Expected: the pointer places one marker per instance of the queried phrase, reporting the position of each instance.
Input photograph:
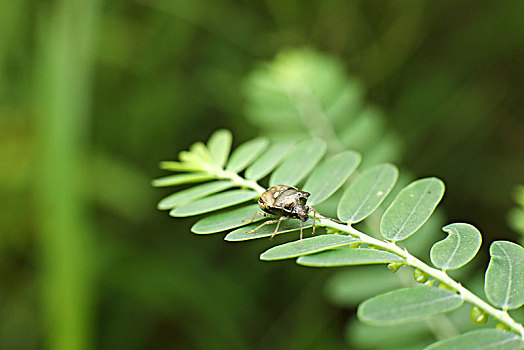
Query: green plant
(343, 245)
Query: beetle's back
(280, 200)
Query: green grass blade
(299, 163)
(269, 160)
(267, 230)
(485, 339)
(180, 179)
(246, 153)
(327, 178)
(456, 250)
(219, 145)
(193, 193)
(214, 202)
(364, 195)
(348, 257)
(227, 220)
(504, 283)
(411, 208)
(307, 246)
(407, 304)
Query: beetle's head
(301, 212)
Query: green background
(93, 94)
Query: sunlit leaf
(193, 193)
(411, 208)
(408, 304)
(214, 202)
(269, 160)
(364, 195)
(219, 145)
(504, 283)
(298, 163)
(485, 339)
(241, 234)
(180, 179)
(179, 166)
(306, 246)
(330, 175)
(226, 220)
(456, 250)
(246, 153)
(347, 257)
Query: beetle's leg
(253, 218)
(301, 234)
(282, 218)
(314, 218)
(263, 224)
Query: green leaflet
(504, 283)
(190, 194)
(269, 160)
(290, 225)
(330, 175)
(348, 257)
(306, 246)
(407, 304)
(456, 250)
(219, 145)
(214, 202)
(364, 195)
(246, 153)
(180, 179)
(226, 220)
(299, 163)
(411, 208)
(485, 339)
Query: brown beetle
(286, 202)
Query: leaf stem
(440, 275)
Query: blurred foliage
(163, 73)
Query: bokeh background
(93, 94)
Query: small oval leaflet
(246, 153)
(411, 208)
(348, 257)
(240, 234)
(214, 202)
(226, 220)
(364, 195)
(193, 193)
(407, 304)
(456, 250)
(504, 282)
(179, 179)
(330, 175)
(269, 160)
(298, 163)
(307, 246)
(485, 339)
(219, 145)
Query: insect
(286, 202)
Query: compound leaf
(364, 195)
(226, 220)
(348, 257)
(307, 246)
(298, 163)
(269, 160)
(241, 234)
(407, 304)
(456, 250)
(485, 339)
(246, 153)
(219, 145)
(411, 208)
(193, 193)
(504, 283)
(214, 202)
(330, 175)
